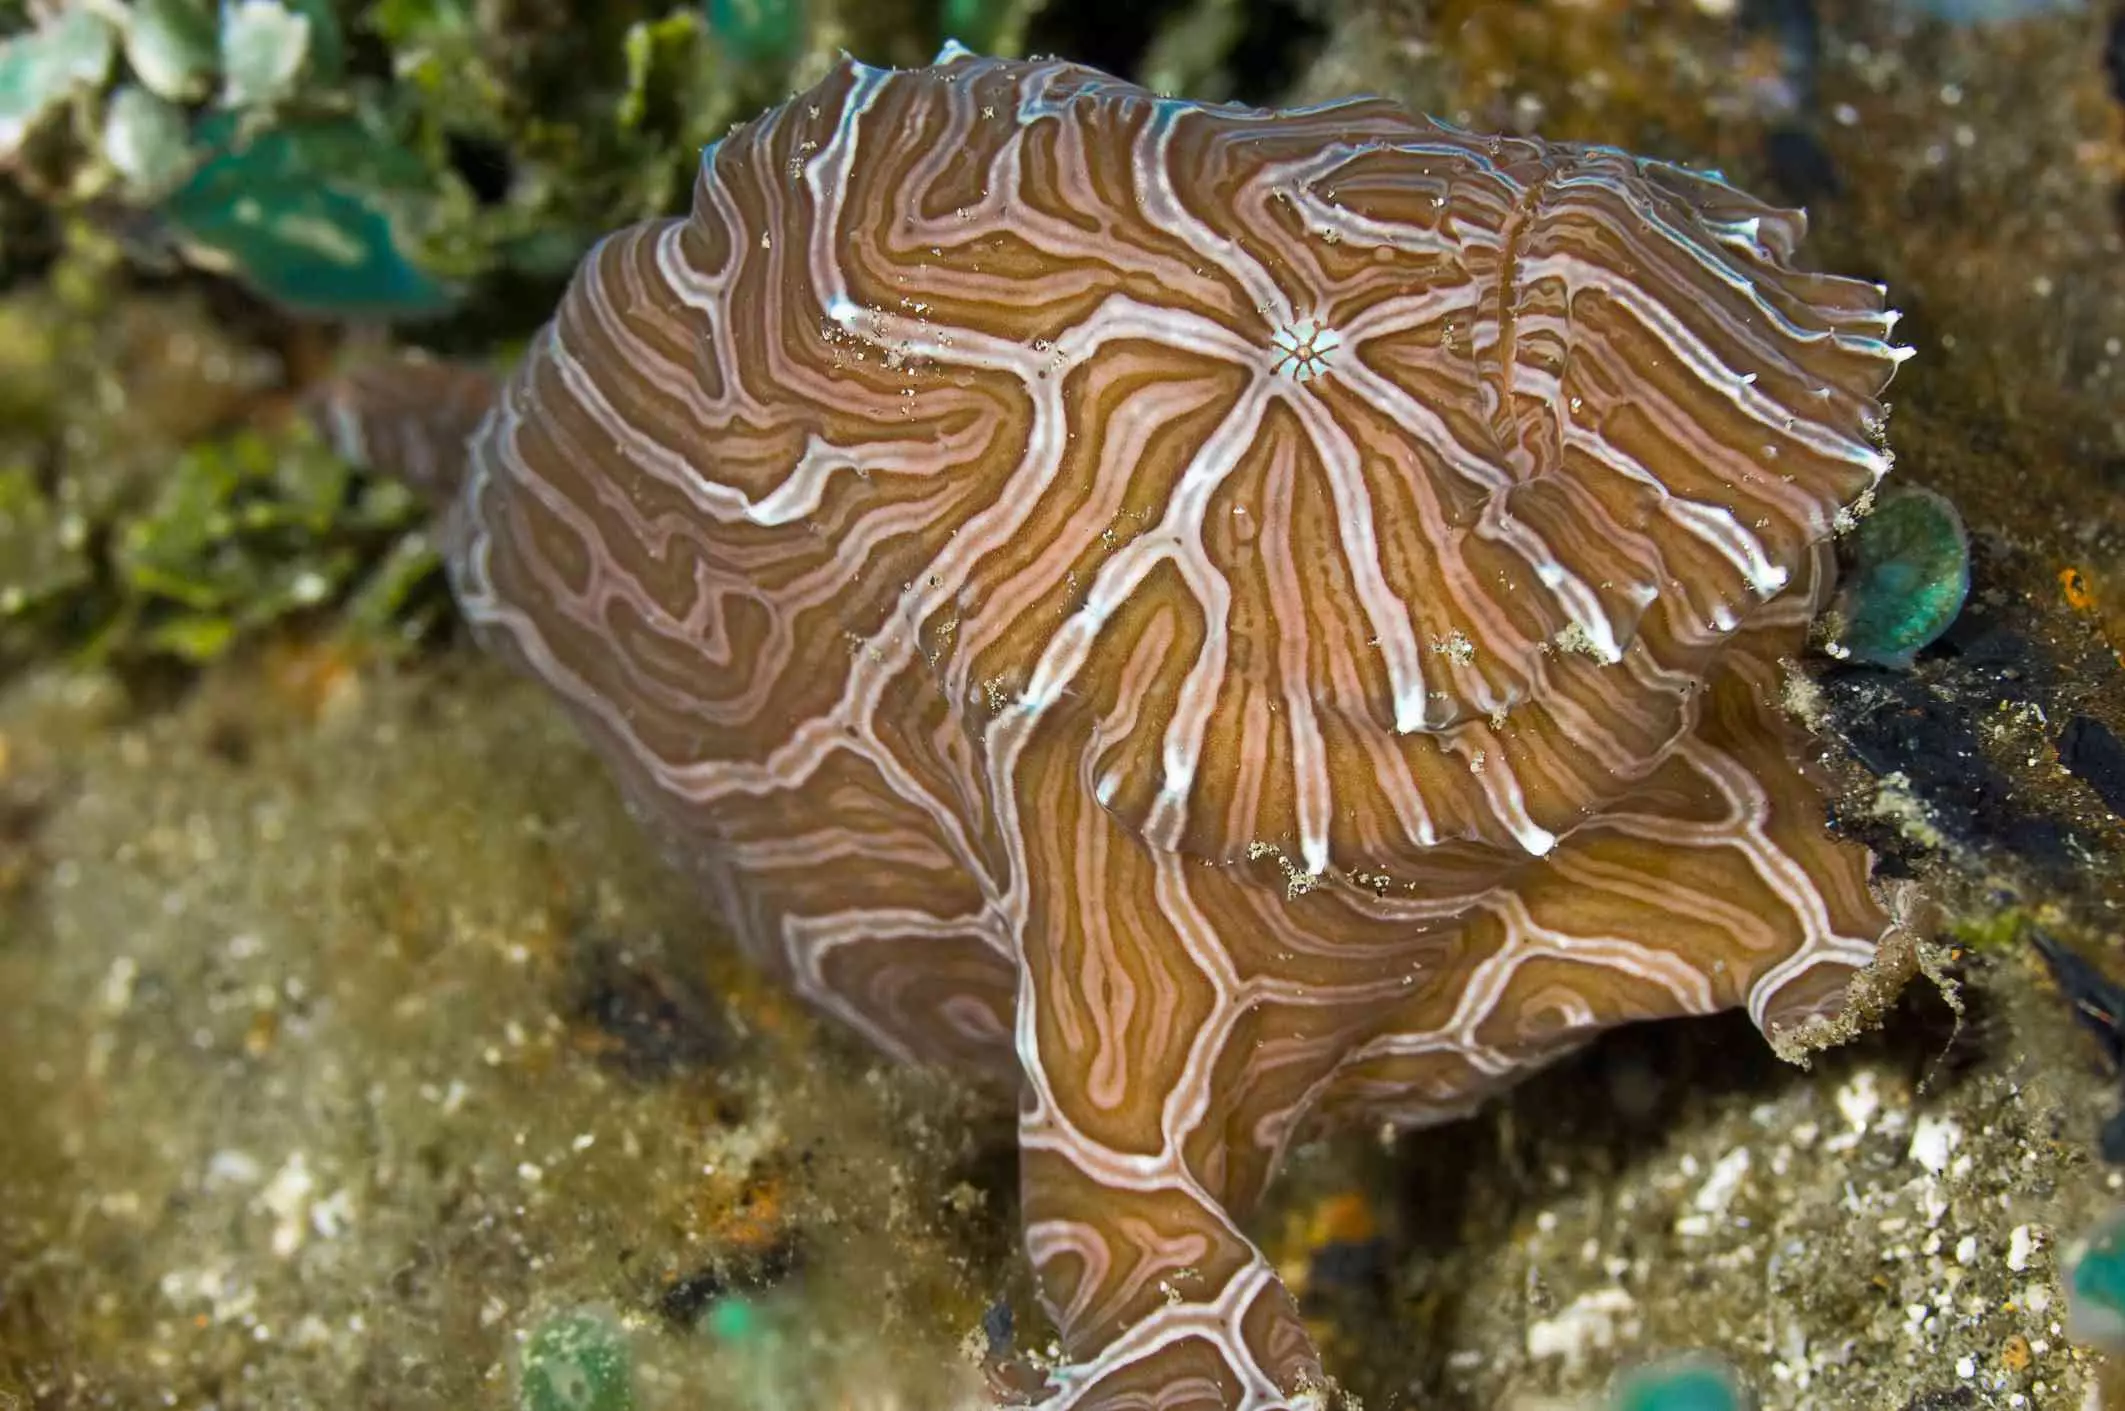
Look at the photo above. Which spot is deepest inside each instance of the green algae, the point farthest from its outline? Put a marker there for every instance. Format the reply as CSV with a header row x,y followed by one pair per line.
x,y
146,515
276,200
249,531
317,155
425,161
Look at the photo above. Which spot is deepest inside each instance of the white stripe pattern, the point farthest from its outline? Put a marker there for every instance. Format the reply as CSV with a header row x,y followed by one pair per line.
x,y
1236,618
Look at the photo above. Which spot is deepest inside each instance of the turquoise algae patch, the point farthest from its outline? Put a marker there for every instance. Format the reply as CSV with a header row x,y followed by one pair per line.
x,y
1688,1385
1908,573
2095,1288
577,1360
302,214
582,1358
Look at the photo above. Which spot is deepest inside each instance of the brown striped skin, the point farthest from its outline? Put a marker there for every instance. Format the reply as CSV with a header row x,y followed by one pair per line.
x,y
1238,618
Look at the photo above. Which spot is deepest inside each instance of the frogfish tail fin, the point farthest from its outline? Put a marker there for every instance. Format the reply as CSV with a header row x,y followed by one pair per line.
x,y
408,417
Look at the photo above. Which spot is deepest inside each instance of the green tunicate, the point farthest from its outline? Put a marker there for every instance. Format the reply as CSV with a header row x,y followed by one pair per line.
x,y
2095,1289
170,46
263,45
1687,1386
1909,573
757,31
145,139
577,1361
38,70
304,214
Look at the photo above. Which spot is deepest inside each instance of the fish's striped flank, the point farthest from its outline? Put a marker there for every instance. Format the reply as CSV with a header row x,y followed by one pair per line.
x,y
1235,618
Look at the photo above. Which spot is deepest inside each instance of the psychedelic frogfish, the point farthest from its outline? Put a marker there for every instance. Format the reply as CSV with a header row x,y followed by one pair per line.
x,y
1233,619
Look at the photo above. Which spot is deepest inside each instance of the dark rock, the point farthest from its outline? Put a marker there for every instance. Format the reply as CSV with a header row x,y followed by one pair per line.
x,y
641,1021
997,1326
691,1295
2095,756
2099,1004
1925,730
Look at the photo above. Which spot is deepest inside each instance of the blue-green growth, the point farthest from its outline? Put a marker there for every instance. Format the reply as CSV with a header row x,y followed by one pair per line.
x,y
2095,1289
1909,573
577,1361
1990,12
1680,1386
302,213
758,31
732,1320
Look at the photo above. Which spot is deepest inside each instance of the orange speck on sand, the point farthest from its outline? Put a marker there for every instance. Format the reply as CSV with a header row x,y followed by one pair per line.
x,y
1345,1218
312,677
756,1221
261,1033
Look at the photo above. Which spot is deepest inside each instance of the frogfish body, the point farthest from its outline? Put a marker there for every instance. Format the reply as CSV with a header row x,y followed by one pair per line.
x,y
1234,619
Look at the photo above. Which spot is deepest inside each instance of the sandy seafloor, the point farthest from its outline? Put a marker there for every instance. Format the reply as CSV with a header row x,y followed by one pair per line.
x,y
349,1033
